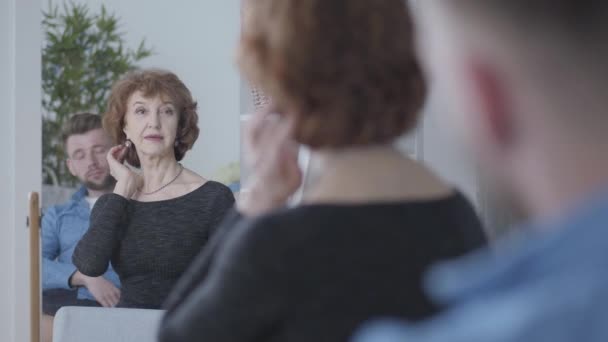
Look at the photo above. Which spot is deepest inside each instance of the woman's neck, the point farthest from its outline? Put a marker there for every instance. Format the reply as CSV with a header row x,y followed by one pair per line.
x,y
369,173
328,157
157,172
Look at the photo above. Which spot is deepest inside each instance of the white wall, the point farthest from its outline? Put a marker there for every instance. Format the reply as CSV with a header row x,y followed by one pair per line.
x,y
7,210
196,40
443,152
435,144
20,155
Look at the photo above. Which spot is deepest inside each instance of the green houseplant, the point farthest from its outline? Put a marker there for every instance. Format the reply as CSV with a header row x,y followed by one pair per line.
x,y
83,54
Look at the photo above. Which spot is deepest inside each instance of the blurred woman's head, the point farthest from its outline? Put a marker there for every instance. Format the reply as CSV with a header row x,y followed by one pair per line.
x,y
345,70
156,111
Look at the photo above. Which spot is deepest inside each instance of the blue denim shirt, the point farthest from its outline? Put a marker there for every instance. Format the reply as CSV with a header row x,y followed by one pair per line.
x,y
62,227
544,286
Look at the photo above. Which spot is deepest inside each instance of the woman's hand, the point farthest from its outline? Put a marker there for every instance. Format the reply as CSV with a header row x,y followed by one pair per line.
x,y
104,292
273,160
127,181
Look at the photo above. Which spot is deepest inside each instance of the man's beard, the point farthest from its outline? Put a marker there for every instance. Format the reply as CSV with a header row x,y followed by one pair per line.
x,y
106,185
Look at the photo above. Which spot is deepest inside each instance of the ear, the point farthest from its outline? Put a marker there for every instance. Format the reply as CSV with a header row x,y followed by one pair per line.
x,y
68,162
491,98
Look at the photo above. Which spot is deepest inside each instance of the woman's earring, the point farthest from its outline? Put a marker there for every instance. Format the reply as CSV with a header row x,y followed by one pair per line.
x,y
128,143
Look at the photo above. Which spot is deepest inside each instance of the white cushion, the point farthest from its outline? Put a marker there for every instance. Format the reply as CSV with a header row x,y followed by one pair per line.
x,y
86,324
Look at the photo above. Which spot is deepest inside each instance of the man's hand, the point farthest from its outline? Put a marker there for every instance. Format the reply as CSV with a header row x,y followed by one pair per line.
x,y
103,290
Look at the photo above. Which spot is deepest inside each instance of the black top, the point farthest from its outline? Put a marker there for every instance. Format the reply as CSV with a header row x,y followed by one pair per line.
x,y
316,272
150,244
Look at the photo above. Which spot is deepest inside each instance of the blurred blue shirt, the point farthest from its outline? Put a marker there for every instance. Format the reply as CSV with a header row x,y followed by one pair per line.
x,y
548,284
62,227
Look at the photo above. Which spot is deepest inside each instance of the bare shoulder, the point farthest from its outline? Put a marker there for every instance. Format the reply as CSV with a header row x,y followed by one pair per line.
x,y
192,180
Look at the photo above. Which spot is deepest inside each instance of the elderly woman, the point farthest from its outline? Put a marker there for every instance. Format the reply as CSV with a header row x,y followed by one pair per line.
x,y
159,217
343,76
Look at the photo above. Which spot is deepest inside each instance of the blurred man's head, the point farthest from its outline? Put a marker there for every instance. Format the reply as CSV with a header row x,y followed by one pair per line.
x,y
86,145
528,81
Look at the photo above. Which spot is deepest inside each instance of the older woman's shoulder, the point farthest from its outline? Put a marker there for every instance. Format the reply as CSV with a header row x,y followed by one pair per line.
x,y
218,188
192,178
205,187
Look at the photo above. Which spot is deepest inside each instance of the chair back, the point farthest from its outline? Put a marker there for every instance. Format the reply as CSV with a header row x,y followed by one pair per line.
x,y
34,242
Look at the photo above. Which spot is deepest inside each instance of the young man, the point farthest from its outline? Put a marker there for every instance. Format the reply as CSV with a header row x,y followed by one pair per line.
x,y
529,81
86,145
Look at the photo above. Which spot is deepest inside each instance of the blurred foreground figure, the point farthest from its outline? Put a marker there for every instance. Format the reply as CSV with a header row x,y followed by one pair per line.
x,y
343,80
529,82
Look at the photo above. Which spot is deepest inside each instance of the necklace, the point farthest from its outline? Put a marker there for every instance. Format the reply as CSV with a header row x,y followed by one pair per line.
x,y
164,186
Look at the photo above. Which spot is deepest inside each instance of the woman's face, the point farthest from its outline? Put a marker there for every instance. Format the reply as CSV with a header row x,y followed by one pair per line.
x,y
151,124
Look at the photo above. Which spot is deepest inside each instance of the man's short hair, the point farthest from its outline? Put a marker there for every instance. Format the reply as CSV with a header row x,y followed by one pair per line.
x,y
566,15
579,26
561,44
80,123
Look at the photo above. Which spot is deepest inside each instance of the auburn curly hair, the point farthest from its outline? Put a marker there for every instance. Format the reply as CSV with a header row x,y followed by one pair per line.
x,y
152,82
346,69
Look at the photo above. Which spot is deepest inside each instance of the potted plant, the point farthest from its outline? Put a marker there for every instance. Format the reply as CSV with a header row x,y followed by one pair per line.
x,y
83,54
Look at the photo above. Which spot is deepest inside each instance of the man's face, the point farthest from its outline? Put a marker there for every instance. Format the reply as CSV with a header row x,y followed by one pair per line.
x,y
87,159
